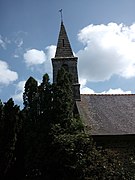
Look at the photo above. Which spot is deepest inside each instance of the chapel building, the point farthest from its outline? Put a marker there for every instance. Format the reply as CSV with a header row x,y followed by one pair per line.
x,y
109,118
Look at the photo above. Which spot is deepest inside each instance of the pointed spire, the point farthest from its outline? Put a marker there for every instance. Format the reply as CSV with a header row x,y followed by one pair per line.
x,y
63,46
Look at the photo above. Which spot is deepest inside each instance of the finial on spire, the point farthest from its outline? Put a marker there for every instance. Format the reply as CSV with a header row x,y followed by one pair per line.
x,y
61,15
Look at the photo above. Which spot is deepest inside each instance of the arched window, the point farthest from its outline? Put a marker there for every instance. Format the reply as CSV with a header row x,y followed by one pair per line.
x,y
65,66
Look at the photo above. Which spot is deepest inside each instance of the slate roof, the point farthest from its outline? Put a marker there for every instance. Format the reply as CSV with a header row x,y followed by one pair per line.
x,y
108,114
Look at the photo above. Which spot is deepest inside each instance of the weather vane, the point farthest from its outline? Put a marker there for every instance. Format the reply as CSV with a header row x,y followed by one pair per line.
x,y
61,15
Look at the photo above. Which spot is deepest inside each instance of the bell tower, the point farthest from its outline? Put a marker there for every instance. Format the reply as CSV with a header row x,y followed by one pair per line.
x,y
64,58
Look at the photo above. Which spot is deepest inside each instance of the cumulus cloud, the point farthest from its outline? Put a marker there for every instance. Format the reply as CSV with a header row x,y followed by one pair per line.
x,y
18,96
86,90
83,88
6,75
34,57
50,53
116,91
40,60
108,50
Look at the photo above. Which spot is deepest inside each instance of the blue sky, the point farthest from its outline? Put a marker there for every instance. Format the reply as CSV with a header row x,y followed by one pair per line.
x,y
101,33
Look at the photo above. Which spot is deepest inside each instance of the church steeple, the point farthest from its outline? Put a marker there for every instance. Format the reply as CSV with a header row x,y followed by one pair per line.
x,y
63,45
64,58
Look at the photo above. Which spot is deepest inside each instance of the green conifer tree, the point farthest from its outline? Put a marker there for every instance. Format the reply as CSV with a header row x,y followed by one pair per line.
x,y
45,98
30,92
10,126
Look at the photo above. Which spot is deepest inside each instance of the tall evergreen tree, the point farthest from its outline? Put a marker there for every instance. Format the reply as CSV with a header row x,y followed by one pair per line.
x,y
30,92
37,111
30,112
45,98
10,126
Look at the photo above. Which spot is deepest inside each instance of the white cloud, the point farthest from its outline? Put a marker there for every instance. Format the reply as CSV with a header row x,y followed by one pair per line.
x,y
116,91
40,60
83,88
16,56
20,43
34,57
6,75
2,44
86,90
50,53
4,41
18,96
109,50
18,52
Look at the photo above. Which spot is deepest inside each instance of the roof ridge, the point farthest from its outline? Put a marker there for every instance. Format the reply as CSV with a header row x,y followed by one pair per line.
x,y
108,94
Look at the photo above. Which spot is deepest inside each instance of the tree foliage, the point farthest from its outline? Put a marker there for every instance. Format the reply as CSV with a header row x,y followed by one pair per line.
x,y
63,99
61,147
47,141
30,92
10,126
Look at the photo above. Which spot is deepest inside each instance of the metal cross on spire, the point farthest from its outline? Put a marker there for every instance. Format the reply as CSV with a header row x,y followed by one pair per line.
x,y
61,15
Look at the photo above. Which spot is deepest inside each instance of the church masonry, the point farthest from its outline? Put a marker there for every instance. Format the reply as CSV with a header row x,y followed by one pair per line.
x,y
64,58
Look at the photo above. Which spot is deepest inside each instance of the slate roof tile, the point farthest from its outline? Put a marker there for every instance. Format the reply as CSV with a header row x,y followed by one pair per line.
x,y
108,114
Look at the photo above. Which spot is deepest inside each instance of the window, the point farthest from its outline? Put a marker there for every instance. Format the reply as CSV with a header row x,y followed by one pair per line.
x,y
65,66
63,43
